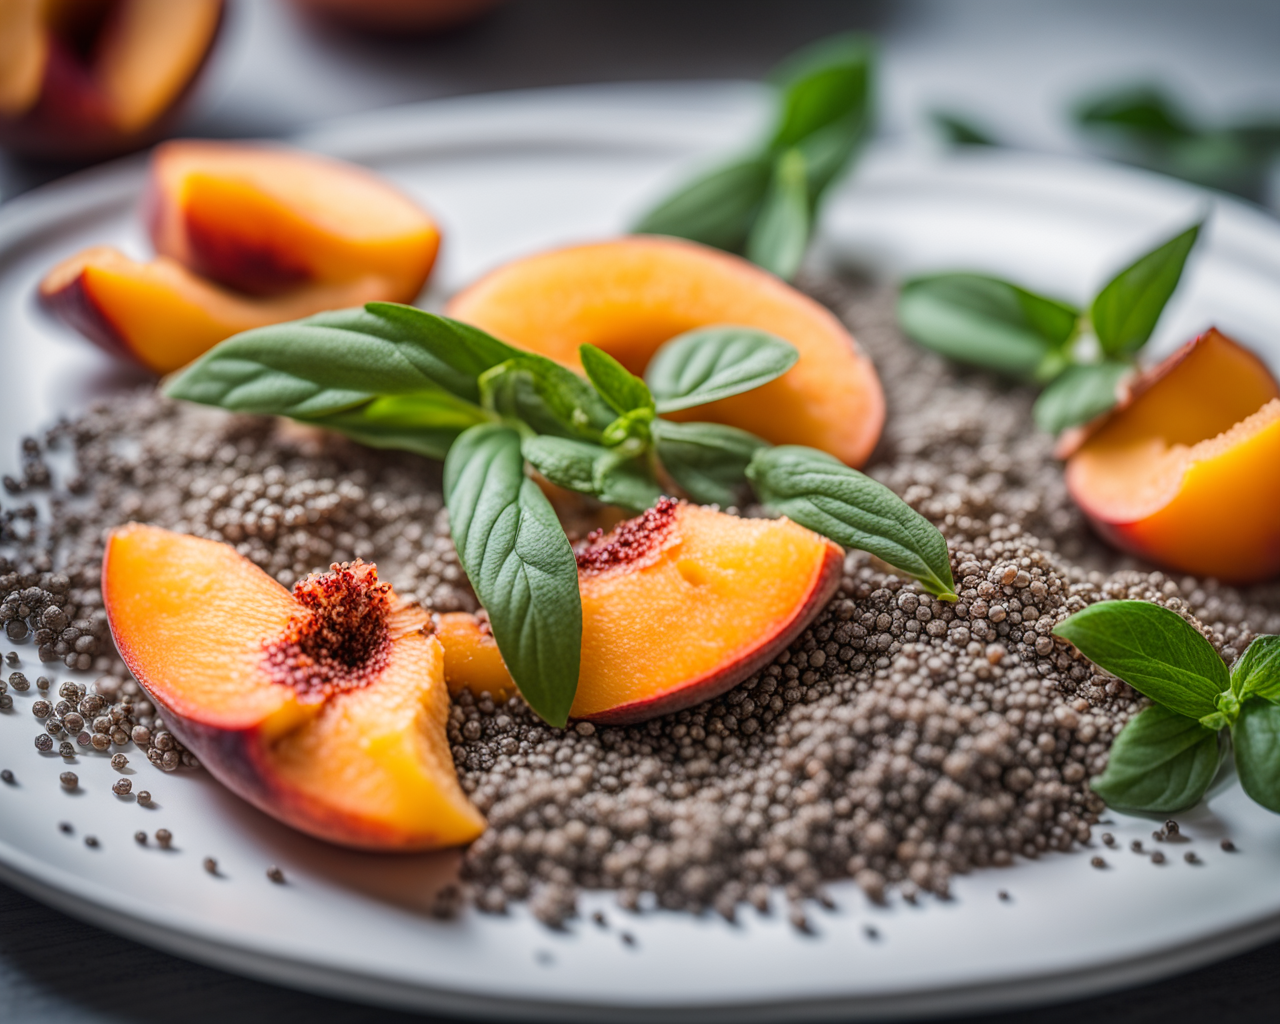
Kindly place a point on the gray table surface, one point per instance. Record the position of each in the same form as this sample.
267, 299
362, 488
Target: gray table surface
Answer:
1014, 66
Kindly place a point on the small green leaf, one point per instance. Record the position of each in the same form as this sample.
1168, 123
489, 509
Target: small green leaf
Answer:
960, 131
1144, 111
717, 209
780, 234
519, 561
1125, 312
626, 480
987, 322
1078, 394
822, 493
545, 395
711, 363
566, 463
708, 460
1160, 763
825, 84
630, 426
426, 422
1257, 673
1256, 736
617, 385
1154, 650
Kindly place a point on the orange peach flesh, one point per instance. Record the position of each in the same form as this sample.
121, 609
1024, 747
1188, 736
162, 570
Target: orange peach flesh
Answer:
262, 219
472, 660
24, 51
1186, 472
630, 295
368, 766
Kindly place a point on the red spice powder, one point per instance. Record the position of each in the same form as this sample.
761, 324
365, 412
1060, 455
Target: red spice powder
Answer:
629, 542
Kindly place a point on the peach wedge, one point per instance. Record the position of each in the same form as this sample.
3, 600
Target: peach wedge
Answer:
630, 295
325, 708
1186, 470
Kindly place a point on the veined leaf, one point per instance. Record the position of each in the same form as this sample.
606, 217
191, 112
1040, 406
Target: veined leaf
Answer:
716, 209
625, 480
780, 234
710, 363
566, 463
1256, 737
1257, 673
1078, 394
1125, 312
708, 460
1160, 763
617, 385
426, 422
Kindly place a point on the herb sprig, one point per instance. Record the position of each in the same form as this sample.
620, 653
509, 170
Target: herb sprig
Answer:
1202, 715
1080, 357
763, 204
393, 376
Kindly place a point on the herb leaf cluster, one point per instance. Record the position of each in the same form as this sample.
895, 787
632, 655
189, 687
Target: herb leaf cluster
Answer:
998, 325
393, 376
763, 204
1202, 715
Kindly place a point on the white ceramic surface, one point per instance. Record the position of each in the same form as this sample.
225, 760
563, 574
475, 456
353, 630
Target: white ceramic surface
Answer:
506, 175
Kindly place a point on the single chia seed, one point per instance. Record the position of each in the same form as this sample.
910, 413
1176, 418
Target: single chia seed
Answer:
69, 780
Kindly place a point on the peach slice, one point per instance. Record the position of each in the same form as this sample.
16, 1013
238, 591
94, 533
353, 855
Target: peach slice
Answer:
1186, 470
630, 295
325, 708
472, 660
265, 219
678, 605
162, 315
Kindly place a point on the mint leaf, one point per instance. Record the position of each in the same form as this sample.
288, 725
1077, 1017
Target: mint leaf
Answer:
518, 559
630, 426
1125, 312
545, 395
707, 460
566, 463
1079, 394
426, 422
710, 363
825, 85
820, 492
1143, 111
780, 234
1152, 649
1256, 737
987, 322
1160, 763
1257, 673
626, 480
617, 385
717, 209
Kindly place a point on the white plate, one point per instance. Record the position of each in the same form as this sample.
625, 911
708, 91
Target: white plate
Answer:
507, 175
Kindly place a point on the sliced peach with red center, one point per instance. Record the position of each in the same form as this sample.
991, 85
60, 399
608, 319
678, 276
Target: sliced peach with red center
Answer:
678, 605
325, 708
630, 295
1186, 470
248, 236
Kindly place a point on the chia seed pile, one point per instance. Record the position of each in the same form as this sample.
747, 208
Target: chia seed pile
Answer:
899, 741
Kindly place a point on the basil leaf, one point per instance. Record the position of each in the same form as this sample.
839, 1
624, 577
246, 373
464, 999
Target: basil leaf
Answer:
711, 363
617, 385
1125, 312
1079, 394
780, 234
1160, 763
707, 460
1154, 650
826, 84
545, 395
519, 561
426, 422
717, 209
988, 322
626, 480
1256, 736
822, 493
564, 462
1257, 673
960, 131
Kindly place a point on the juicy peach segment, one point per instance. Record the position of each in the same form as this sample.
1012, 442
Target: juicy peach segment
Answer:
472, 660
1186, 471
678, 605
630, 295
325, 708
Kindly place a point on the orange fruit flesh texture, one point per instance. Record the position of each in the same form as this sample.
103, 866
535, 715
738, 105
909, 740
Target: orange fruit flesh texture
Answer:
1187, 472
368, 767
472, 660
263, 219
630, 295
162, 315
24, 51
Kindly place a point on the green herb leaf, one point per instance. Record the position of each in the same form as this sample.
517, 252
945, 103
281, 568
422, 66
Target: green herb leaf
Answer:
1257, 673
960, 131
1125, 312
1160, 763
822, 493
519, 561
824, 85
988, 322
545, 395
1154, 650
626, 480
566, 463
1142, 110
717, 209
617, 385
780, 234
426, 422
711, 363
708, 460
634, 425
1256, 737
1079, 394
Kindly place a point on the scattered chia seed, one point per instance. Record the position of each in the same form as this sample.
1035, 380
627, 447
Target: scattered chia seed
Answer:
41, 708
91, 841
44, 742
211, 865
69, 780
1098, 862
1228, 845
65, 827
1136, 846
43, 683
1004, 896
6, 776
276, 875
871, 932
144, 797
1108, 839
1190, 857
1157, 857
627, 939
164, 838
19, 682
121, 787
65, 749
11, 659
1171, 828
119, 762
6, 702
140, 838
